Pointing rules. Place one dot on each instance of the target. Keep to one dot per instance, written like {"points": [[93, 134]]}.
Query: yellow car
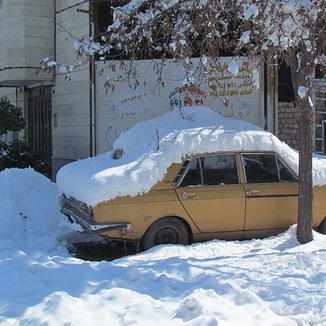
{"points": [[189, 175], [224, 195]]}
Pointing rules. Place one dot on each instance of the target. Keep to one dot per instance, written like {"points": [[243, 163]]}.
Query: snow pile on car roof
{"points": [[150, 147]]}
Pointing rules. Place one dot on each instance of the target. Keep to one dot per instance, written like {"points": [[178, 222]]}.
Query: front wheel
{"points": [[168, 230]]}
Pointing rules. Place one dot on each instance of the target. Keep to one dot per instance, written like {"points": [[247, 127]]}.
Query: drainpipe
{"points": [[54, 38], [91, 66], [271, 95], [92, 96], [276, 97], [15, 133], [262, 92], [92, 111]]}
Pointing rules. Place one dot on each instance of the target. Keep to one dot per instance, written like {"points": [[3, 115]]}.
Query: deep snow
{"points": [[275, 281]]}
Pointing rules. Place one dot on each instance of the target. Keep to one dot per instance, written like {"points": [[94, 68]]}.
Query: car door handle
{"points": [[188, 195], [252, 192]]}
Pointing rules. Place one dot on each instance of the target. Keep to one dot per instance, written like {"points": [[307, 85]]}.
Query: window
{"points": [[219, 169], [102, 18], [285, 87], [180, 173], [264, 168], [193, 176], [319, 72], [285, 174], [211, 170], [320, 121]]}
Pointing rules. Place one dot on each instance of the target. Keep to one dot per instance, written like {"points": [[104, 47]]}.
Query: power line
{"points": [[20, 67]]}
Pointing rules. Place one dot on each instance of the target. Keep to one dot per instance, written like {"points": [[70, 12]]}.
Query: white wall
{"points": [[70, 98], [26, 36], [118, 110]]}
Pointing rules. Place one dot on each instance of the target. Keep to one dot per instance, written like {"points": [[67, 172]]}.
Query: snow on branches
{"points": [[182, 29]]}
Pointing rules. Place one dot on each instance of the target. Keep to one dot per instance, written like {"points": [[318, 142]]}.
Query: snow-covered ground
{"points": [[274, 281]]}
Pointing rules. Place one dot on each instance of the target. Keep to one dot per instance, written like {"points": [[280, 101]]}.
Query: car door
{"points": [[271, 192], [211, 193]]}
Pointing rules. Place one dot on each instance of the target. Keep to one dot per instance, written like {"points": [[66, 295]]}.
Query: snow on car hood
{"points": [[150, 147]]}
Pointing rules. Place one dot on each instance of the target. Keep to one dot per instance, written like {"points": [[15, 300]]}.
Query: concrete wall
{"points": [[121, 108], [26, 37], [71, 93]]}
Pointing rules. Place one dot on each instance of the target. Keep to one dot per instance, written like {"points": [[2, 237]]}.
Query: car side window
{"points": [[260, 168], [219, 169], [264, 168], [193, 176], [285, 174], [211, 170]]}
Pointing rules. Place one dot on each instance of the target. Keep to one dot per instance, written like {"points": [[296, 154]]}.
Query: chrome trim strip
{"points": [[92, 226]]}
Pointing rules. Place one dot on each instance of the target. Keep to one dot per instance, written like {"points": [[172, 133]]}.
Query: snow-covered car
{"points": [[190, 175]]}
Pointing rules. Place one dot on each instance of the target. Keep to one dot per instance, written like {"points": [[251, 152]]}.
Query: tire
{"points": [[168, 230], [322, 227]]}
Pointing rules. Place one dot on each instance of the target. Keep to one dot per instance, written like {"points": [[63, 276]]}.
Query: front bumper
{"points": [[83, 218]]}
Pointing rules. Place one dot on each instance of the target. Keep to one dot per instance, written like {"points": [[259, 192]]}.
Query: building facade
{"points": [[75, 110]]}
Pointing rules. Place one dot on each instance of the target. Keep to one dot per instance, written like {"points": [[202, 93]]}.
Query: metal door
{"points": [[39, 121]]}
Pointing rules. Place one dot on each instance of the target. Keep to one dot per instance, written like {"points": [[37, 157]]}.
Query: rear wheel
{"points": [[168, 230], [322, 227]]}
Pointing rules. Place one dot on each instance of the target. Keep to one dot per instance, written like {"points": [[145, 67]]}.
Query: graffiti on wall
{"points": [[222, 87], [231, 94], [222, 83], [126, 112], [187, 95], [129, 106]]}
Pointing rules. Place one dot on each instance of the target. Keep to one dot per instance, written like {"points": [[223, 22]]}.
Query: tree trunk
{"points": [[301, 76], [304, 229]]}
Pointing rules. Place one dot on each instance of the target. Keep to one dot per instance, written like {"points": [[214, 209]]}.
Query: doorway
{"points": [[39, 121]]}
